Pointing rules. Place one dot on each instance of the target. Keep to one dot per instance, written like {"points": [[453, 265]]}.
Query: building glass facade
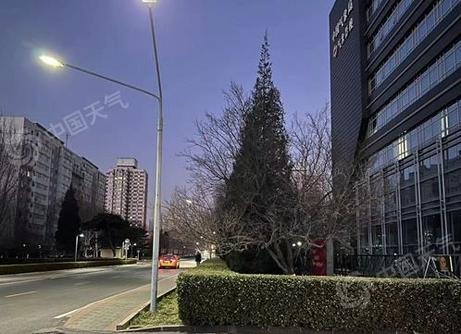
{"points": [[402, 109]]}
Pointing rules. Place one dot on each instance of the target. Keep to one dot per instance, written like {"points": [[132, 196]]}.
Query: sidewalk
{"points": [[106, 314]]}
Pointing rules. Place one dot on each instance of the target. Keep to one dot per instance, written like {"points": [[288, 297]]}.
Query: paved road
{"points": [[30, 302]]}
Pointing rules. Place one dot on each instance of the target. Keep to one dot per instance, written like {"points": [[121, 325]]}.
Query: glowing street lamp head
{"points": [[149, 2], [51, 61]]}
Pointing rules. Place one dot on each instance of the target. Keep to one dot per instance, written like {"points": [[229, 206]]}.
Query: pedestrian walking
{"points": [[198, 257]]}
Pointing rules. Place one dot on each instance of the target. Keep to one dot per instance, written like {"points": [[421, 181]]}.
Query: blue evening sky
{"points": [[203, 45]]}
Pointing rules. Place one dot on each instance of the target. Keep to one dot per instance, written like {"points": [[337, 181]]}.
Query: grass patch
{"points": [[167, 314]]}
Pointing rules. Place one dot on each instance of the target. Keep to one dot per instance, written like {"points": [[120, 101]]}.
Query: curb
{"points": [[243, 330], [124, 324]]}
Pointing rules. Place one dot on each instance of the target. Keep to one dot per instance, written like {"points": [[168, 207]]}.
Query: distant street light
{"points": [[81, 235], [299, 243]]}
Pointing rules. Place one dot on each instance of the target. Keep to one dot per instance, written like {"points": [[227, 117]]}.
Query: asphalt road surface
{"points": [[30, 302]]}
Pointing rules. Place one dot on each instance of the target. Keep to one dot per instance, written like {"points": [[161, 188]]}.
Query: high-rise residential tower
{"points": [[396, 110], [36, 170], [126, 191]]}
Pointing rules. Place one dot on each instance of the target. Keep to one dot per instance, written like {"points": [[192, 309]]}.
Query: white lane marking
{"points": [[107, 298], [21, 281], [47, 275], [21, 294]]}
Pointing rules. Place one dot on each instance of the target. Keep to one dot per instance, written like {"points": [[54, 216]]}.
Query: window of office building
{"points": [[438, 12], [376, 197], [429, 167], [445, 65], [452, 157], [392, 238], [396, 14], [453, 182], [410, 235], [390, 202], [454, 231], [452, 117], [407, 176], [442, 124], [408, 196], [374, 5], [377, 239], [432, 232], [430, 190]]}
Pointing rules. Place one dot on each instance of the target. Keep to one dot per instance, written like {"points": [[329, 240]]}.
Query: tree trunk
{"points": [[111, 244]]}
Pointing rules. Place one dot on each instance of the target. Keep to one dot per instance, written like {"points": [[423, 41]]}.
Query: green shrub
{"points": [[213, 295], [252, 261], [35, 267]]}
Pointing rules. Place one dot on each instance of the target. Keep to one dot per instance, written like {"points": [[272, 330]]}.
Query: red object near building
{"points": [[318, 257]]}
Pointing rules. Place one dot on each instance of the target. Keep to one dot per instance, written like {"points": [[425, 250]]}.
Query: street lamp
{"points": [[51, 61], [81, 235], [55, 63], [158, 176]]}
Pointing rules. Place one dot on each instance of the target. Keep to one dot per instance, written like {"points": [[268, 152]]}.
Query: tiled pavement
{"points": [[104, 315]]}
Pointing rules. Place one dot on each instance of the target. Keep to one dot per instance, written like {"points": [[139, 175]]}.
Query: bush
{"points": [[252, 261], [36, 267], [213, 295]]}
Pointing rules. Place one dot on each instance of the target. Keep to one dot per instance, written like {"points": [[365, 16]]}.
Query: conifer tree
{"points": [[68, 223], [260, 185]]}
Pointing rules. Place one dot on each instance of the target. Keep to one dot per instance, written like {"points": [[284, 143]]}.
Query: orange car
{"points": [[169, 261]]}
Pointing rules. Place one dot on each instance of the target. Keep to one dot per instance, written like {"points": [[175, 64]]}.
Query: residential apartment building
{"points": [[396, 109], [126, 191], [45, 169]]}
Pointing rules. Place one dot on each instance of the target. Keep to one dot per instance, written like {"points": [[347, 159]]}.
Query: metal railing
{"points": [[409, 266]]}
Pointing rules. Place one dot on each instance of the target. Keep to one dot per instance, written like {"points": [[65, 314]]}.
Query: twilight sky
{"points": [[203, 45]]}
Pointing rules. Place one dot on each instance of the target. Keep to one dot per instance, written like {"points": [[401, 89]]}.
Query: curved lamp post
{"points": [[56, 63]]}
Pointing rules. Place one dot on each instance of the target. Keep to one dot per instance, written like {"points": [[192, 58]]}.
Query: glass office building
{"points": [[396, 109]]}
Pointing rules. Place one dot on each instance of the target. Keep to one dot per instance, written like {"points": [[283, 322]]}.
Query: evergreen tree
{"points": [[260, 185], [114, 229], [68, 223]]}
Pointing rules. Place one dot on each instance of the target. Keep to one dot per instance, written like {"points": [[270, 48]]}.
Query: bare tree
{"points": [[19, 151], [9, 178], [211, 154], [317, 212]]}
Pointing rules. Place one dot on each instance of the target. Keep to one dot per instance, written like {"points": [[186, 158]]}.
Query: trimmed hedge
{"points": [[212, 295], [36, 267]]}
